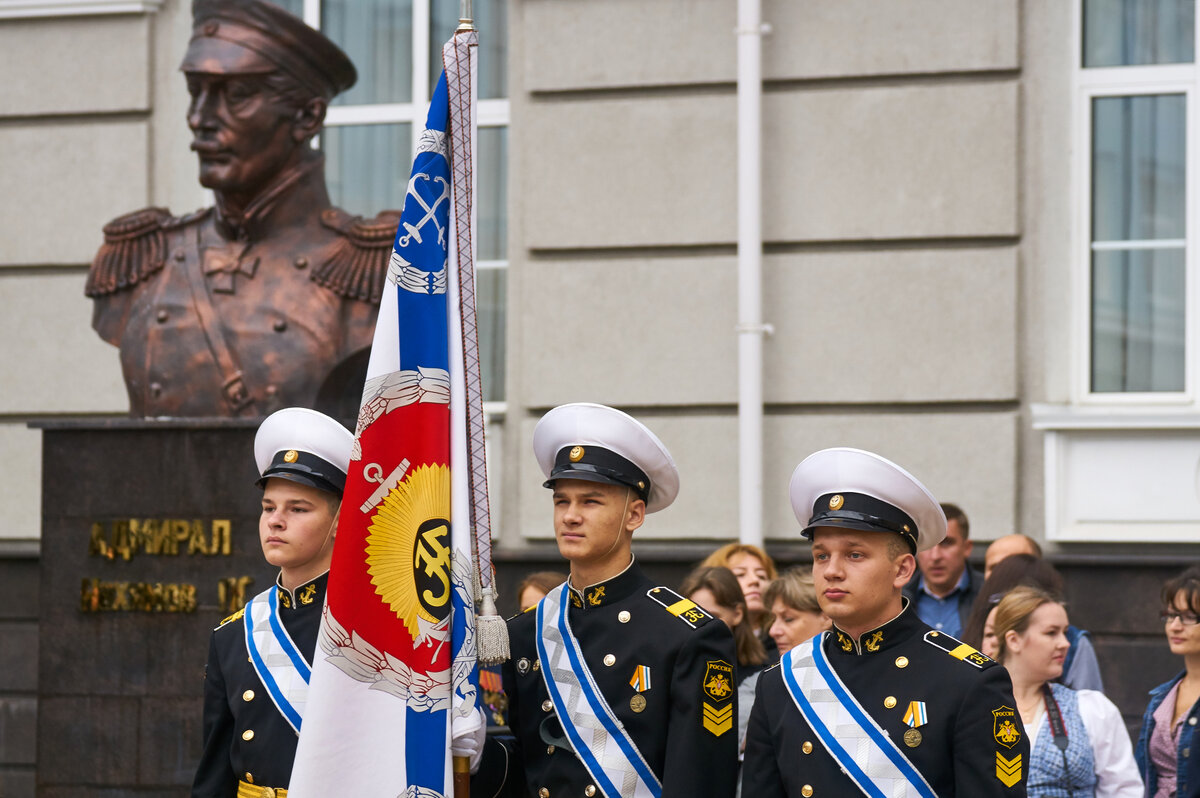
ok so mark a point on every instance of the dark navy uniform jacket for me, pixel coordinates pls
(245, 736)
(685, 724)
(972, 744)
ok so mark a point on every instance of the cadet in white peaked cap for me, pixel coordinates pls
(304, 446)
(596, 443)
(854, 489)
(881, 704)
(655, 669)
(254, 685)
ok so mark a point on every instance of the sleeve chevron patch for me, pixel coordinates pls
(1008, 771)
(719, 721)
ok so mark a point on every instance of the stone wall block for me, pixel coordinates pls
(75, 65)
(63, 183)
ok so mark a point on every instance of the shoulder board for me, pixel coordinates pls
(233, 617)
(520, 614)
(134, 248)
(684, 609)
(357, 268)
(958, 649)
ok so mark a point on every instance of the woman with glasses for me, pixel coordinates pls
(1169, 724)
(1078, 744)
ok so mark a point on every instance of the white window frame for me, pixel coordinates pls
(1122, 467)
(489, 113)
(492, 113)
(1089, 84)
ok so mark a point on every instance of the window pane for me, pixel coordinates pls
(367, 166)
(491, 295)
(491, 18)
(1134, 32)
(1138, 320)
(377, 35)
(492, 185)
(1138, 167)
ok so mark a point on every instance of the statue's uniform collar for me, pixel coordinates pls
(613, 589)
(883, 637)
(299, 189)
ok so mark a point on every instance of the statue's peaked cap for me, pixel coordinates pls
(235, 36)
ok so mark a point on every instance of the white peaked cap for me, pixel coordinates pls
(855, 489)
(597, 443)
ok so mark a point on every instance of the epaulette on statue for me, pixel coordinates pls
(684, 609)
(959, 650)
(357, 269)
(134, 248)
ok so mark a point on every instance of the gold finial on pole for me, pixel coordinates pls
(465, 21)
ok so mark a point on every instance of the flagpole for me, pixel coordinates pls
(462, 764)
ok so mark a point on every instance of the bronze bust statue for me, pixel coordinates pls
(268, 299)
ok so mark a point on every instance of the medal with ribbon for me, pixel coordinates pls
(914, 716)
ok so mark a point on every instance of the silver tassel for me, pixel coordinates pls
(491, 632)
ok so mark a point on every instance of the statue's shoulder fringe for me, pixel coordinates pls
(357, 267)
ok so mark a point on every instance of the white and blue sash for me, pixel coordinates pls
(280, 666)
(851, 736)
(598, 737)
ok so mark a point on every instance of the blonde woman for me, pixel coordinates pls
(754, 570)
(792, 601)
(1077, 740)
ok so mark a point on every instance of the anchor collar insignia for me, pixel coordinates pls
(305, 595)
(621, 586)
(880, 639)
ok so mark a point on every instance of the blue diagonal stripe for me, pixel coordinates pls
(264, 675)
(599, 708)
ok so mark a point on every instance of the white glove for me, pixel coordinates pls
(467, 736)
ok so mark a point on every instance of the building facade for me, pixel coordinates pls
(978, 221)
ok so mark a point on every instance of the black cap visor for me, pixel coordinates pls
(861, 512)
(305, 469)
(597, 464)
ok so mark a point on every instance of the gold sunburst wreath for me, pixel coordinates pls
(408, 541)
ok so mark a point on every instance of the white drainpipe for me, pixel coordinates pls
(750, 327)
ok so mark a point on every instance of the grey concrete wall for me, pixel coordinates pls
(892, 206)
(91, 126)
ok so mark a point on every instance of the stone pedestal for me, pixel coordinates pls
(149, 539)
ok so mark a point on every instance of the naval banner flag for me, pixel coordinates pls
(395, 664)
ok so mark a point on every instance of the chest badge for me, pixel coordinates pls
(914, 716)
(641, 678)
